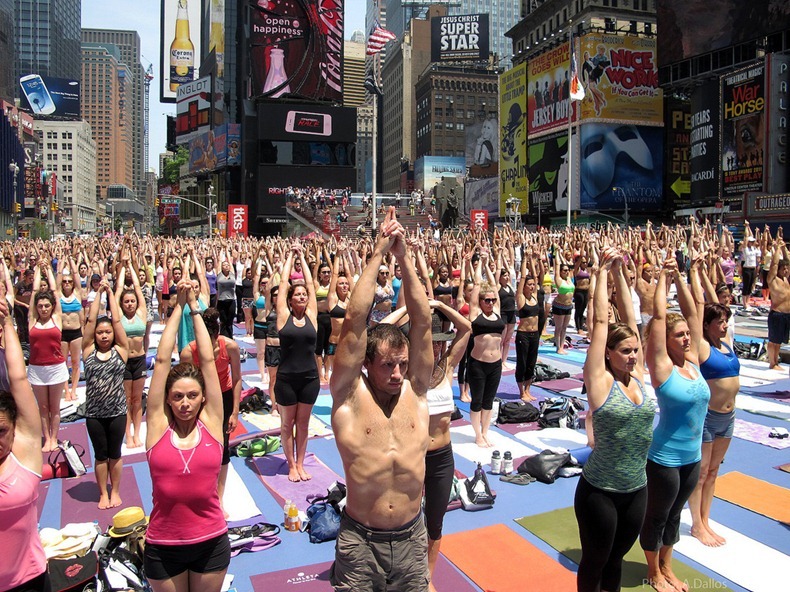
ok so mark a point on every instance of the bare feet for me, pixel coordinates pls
(775, 367)
(115, 500)
(562, 352)
(672, 579)
(481, 442)
(704, 536)
(304, 475)
(465, 398)
(104, 502)
(720, 539)
(136, 443)
(660, 584)
(489, 444)
(528, 398)
(293, 475)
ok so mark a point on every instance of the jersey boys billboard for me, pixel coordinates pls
(549, 89)
(297, 48)
(461, 37)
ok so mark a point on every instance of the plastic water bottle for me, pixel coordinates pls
(496, 462)
(286, 508)
(507, 463)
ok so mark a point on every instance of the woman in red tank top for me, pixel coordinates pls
(187, 545)
(47, 369)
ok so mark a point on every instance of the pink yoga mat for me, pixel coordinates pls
(76, 433)
(315, 578)
(80, 498)
(561, 384)
(754, 432)
(273, 471)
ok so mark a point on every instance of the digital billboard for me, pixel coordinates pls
(704, 142)
(549, 90)
(168, 211)
(620, 79)
(293, 122)
(180, 36)
(215, 149)
(216, 32)
(297, 49)
(429, 171)
(482, 147)
(513, 147)
(693, 27)
(619, 164)
(460, 37)
(482, 194)
(742, 131)
(48, 96)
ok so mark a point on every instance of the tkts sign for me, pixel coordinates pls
(237, 220)
(297, 48)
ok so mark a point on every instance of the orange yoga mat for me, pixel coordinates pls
(499, 560)
(755, 495)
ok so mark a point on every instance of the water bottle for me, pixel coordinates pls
(507, 463)
(286, 508)
(496, 463)
(293, 523)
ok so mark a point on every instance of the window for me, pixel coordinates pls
(449, 125)
(470, 114)
(438, 112)
(459, 126)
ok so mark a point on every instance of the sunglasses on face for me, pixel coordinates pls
(489, 300)
(384, 273)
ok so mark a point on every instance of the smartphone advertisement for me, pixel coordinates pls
(307, 123)
(47, 96)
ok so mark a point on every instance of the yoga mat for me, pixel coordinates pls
(748, 563)
(516, 428)
(756, 495)
(561, 384)
(81, 495)
(133, 455)
(785, 468)
(76, 433)
(315, 578)
(574, 355)
(560, 530)
(323, 409)
(266, 421)
(463, 439)
(237, 501)
(763, 407)
(273, 471)
(498, 559)
(754, 432)
(554, 438)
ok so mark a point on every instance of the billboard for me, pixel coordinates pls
(297, 49)
(549, 175)
(216, 32)
(692, 27)
(513, 156)
(482, 147)
(677, 129)
(238, 220)
(619, 164)
(47, 96)
(194, 109)
(777, 173)
(429, 171)
(222, 224)
(460, 37)
(704, 142)
(293, 122)
(180, 38)
(478, 219)
(620, 79)
(215, 149)
(482, 194)
(742, 131)
(549, 90)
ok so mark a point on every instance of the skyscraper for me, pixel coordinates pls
(48, 38)
(353, 74)
(7, 48)
(128, 44)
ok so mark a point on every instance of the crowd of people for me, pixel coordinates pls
(385, 323)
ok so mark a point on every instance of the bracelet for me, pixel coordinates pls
(194, 313)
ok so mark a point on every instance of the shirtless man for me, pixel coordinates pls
(646, 287)
(381, 425)
(779, 317)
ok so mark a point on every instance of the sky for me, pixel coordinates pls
(143, 16)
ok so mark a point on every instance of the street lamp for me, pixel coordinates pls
(14, 168)
(212, 209)
(112, 219)
(625, 202)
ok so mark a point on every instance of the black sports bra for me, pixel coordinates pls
(441, 290)
(529, 310)
(484, 326)
(337, 312)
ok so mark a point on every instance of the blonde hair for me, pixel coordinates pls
(673, 318)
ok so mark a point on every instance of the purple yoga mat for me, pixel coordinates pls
(779, 396)
(273, 471)
(560, 385)
(517, 428)
(81, 495)
(754, 432)
(315, 578)
(76, 433)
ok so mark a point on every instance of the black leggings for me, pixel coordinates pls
(462, 365)
(439, 471)
(106, 434)
(668, 490)
(226, 309)
(527, 343)
(324, 330)
(483, 380)
(580, 298)
(609, 523)
(300, 387)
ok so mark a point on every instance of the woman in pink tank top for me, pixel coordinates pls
(187, 546)
(23, 564)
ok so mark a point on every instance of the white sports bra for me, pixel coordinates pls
(440, 399)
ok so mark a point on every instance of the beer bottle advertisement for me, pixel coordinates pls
(181, 42)
(296, 48)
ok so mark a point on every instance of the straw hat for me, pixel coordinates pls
(126, 521)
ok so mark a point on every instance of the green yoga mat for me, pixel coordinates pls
(559, 529)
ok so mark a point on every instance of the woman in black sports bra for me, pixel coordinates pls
(528, 334)
(507, 304)
(485, 361)
(339, 293)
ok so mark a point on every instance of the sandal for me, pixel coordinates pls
(518, 478)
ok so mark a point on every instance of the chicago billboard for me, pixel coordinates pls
(180, 35)
(513, 155)
(620, 79)
(459, 37)
(549, 90)
(297, 49)
(55, 97)
(742, 131)
(619, 164)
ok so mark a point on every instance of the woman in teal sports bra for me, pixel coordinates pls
(133, 320)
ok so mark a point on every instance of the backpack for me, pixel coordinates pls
(324, 513)
(560, 412)
(517, 412)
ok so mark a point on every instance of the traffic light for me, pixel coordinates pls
(156, 202)
(17, 207)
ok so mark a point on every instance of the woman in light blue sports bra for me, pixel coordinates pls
(673, 465)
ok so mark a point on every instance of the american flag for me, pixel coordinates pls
(378, 39)
(577, 90)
